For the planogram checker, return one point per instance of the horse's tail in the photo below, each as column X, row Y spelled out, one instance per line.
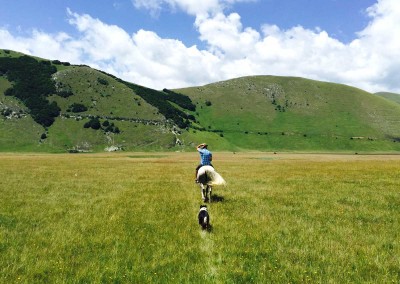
column 215, row 178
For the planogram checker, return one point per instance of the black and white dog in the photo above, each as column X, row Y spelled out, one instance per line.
column 204, row 217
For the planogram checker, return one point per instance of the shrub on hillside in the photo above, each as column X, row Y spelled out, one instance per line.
column 65, row 93
column 6, row 112
column 112, row 128
column 45, row 113
column 102, row 81
column 9, row 92
column 93, row 123
column 76, row 107
column 191, row 117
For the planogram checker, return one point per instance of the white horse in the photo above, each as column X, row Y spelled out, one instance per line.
column 208, row 177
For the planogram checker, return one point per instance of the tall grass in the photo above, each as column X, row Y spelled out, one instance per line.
column 131, row 218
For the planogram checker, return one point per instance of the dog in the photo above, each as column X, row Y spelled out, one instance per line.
column 204, row 217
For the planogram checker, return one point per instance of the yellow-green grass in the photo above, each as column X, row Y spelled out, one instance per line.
column 132, row 218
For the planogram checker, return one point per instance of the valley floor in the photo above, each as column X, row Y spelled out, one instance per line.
column 132, row 218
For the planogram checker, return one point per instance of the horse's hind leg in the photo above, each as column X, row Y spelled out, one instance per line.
column 206, row 194
column 203, row 191
column 209, row 192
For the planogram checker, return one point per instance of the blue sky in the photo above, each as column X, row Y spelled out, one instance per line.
column 340, row 18
column 179, row 43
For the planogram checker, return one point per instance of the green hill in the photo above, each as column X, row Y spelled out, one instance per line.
column 288, row 113
column 95, row 110
column 390, row 96
column 53, row 106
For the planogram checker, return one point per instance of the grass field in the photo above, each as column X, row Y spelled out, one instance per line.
column 132, row 218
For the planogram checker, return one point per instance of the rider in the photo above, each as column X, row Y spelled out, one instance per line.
column 205, row 157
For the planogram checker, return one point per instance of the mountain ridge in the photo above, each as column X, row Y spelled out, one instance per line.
column 98, row 111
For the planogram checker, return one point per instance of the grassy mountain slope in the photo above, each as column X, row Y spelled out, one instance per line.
column 287, row 113
column 141, row 125
column 18, row 131
column 95, row 110
column 390, row 96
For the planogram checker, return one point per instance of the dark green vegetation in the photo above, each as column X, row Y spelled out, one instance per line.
column 163, row 103
column 54, row 106
column 31, row 84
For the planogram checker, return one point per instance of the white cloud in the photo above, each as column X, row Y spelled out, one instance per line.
column 192, row 7
column 142, row 57
column 371, row 61
column 225, row 35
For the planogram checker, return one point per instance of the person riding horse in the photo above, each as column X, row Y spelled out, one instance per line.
column 205, row 157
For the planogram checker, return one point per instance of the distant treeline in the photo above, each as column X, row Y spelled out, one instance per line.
column 181, row 100
column 32, row 84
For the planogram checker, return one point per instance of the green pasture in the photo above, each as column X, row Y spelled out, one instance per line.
column 132, row 218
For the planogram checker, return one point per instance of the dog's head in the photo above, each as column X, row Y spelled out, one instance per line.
column 203, row 207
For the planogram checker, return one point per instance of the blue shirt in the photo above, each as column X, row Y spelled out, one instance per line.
column 205, row 157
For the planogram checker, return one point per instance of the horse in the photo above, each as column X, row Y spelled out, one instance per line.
column 207, row 177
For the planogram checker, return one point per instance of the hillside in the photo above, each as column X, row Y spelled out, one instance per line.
column 390, row 96
column 93, row 110
column 53, row 106
column 288, row 113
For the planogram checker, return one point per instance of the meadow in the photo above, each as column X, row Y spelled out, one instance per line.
column 132, row 218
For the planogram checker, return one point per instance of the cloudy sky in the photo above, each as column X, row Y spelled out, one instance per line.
column 179, row 43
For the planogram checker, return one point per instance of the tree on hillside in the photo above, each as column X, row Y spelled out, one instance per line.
column 76, row 107
column 160, row 101
column 93, row 123
column 181, row 100
column 32, row 84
